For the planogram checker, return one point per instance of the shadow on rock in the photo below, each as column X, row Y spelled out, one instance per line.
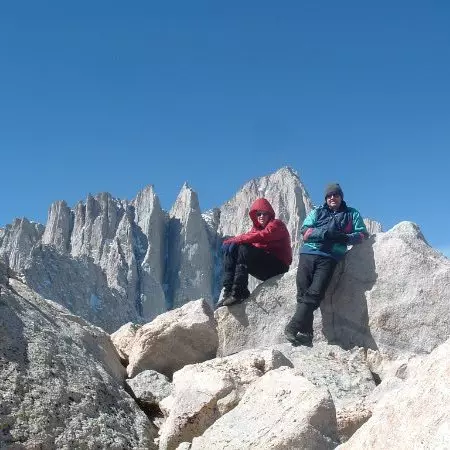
column 345, row 317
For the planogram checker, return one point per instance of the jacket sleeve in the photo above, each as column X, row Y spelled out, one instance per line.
column 310, row 231
column 359, row 232
column 274, row 231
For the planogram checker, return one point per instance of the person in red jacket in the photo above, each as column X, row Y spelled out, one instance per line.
column 265, row 251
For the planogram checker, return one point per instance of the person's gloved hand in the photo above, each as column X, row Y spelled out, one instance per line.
column 338, row 236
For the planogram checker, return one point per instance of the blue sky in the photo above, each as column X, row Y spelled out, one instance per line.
column 112, row 96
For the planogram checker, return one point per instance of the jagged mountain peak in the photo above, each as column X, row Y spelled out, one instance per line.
column 186, row 203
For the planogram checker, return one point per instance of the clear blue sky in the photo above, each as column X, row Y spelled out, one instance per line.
column 112, row 96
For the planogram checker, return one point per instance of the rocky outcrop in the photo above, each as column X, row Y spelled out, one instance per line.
column 61, row 380
column 366, row 305
column 414, row 415
column 79, row 285
column 123, row 339
column 190, row 263
column 150, row 388
column 59, row 227
column 279, row 397
column 390, row 295
column 204, row 392
column 183, row 336
column 151, row 220
column 17, row 242
column 281, row 410
column 373, row 226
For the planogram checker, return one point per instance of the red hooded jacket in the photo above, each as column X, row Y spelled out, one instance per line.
column 273, row 238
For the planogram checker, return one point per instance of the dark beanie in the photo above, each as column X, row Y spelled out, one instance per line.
column 333, row 188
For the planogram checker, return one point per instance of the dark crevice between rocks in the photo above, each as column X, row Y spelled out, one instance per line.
column 376, row 378
column 151, row 410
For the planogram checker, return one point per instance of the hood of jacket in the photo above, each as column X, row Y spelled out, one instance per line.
column 261, row 204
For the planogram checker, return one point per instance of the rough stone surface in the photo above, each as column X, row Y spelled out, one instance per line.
column 373, row 226
column 185, row 335
column 59, row 226
column 365, row 304
column 204, row 392
column 150, row 388
column 79, row 285
column 17, row 242
column 391, row 294
column 416, row 415
column 190, row 273
column 61, row 380
column 344, row 373
column 121, row 243
column 124, row 337
column 282, row 410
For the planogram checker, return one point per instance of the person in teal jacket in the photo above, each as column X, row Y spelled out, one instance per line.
column 326, row 231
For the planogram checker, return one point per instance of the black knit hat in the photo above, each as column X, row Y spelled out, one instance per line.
column 334, row 188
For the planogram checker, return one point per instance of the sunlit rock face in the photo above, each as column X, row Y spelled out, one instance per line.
column 61, row 380
column 190, row 259
column 17, row 241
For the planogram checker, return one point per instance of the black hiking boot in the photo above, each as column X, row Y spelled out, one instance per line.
column 239, row 295
column 297, row 337
column 304, row 339
column 225, row 297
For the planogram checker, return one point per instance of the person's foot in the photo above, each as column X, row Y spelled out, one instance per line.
column 226, row 296
column 297, row 337
column 304, row 339
column 290, row 335
column 238, row 296
column 240, row 292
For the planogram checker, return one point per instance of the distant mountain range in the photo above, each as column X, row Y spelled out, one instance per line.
column 112, row 261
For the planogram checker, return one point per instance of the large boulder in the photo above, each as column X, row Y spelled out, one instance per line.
column 389, row 295
column 344, row 373
column 185, row 335
column 204, row 392
column 61, row 381
column 123, row 339
column 416, row 413
column 282, row 410
column 150, row 388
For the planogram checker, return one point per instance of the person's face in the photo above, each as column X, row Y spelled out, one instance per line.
column 334, row 201
column 262, row 218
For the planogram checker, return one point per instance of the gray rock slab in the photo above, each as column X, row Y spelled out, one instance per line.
column 281, row 410
column 61, row 381
column 206, row 391
column 185, row 335
column 150, row 387
column 416, row 415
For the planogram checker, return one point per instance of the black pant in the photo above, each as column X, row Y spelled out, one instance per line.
column 313, row 277
column 243, row 259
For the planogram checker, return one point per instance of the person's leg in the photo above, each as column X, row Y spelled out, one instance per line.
column 304, row 278
column 313, row 277
column 240, row 282
column 257, row 262
column 263, row 265
column 229, row 268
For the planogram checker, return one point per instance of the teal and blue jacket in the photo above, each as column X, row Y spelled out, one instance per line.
column 322, row 221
